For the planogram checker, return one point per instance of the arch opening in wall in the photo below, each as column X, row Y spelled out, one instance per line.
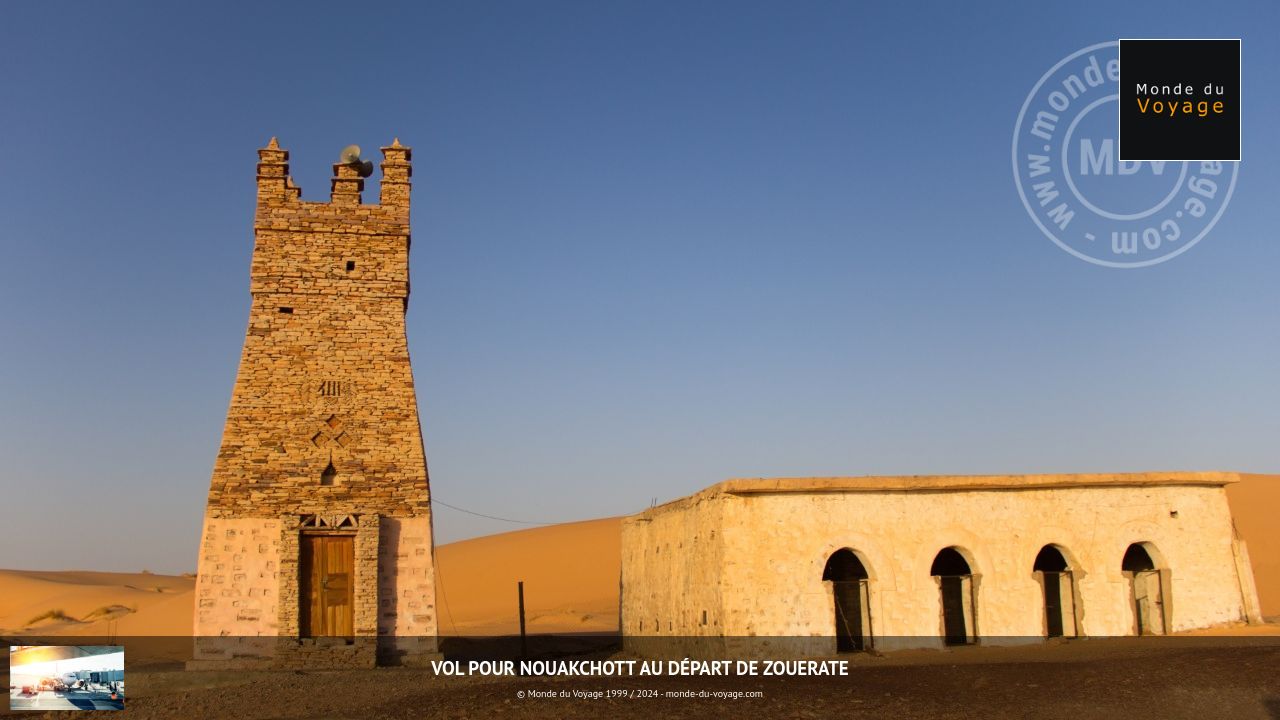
column 1149, row 585
column 328, row 475
column 956, row 592
column 1057, row 579
column 851, row 599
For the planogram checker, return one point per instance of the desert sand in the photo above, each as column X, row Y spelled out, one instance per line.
column 1255, row 505
column 95, row 603
column 571, row 574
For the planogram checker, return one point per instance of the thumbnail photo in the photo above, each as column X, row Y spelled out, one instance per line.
column 66, row 677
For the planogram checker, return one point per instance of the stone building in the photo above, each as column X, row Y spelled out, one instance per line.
column 317, row 541
column 819, row 565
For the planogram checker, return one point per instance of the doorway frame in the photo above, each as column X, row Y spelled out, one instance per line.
column 867, row 638
column 367, row 528
column 1074, row 574
column 969, row 584
column 1164, row 580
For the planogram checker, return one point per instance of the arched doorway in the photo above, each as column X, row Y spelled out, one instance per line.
column 955, row 584
column 1149, row 588
column 850, row 590
column 1055, row 575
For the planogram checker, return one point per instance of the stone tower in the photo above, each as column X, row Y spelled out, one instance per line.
column 317, row 545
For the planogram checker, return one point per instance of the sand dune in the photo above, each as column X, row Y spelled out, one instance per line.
column 570, row 575
column 570, row 571
column 1255, row 505
column 95, row 603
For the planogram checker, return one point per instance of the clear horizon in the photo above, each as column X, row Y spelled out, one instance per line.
column 655, row 247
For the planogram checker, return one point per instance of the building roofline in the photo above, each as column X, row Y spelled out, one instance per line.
column 945, row 483
column 927, row 483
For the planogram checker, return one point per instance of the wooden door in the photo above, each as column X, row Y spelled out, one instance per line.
column 1052, row 603
column 864, row 606
column 1148, row 602
column 1068, row 604
column 849, row 614
column 956, row 612
column 970, row 622
column 328, row 586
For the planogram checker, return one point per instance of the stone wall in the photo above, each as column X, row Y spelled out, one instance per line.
column 673, row 571
column 407, row 619
column 237, row 587
column 774, row 547
column 324, row 378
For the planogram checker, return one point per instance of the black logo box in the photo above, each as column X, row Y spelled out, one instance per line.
column 1187, row 68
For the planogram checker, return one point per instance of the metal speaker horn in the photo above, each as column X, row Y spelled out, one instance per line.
column 351, row 156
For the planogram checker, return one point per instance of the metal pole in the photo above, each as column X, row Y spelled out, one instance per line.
column 524, row 647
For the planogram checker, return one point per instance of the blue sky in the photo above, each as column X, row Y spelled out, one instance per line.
column 656, row 245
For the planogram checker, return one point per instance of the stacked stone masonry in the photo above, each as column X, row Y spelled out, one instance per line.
column 322, row 434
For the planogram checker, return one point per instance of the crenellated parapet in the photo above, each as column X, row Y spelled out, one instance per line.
column 341, row 245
